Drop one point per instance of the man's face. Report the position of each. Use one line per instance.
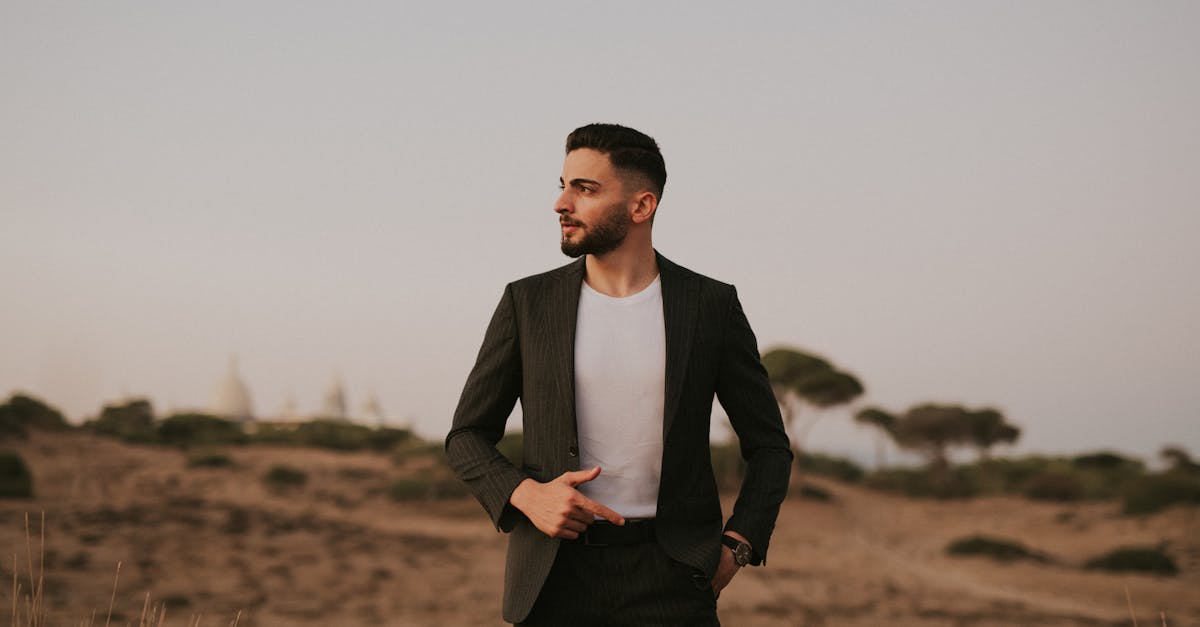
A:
(593, 208)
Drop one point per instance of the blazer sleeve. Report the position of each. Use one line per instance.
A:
(745, 392)
(487, 400)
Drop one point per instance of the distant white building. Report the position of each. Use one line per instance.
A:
(335, 401)
(231, 398)
(371, 412)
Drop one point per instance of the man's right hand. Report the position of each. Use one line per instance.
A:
(557, 508)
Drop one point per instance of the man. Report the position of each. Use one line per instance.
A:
(614, 513)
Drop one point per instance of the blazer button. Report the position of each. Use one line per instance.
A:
(573, 451)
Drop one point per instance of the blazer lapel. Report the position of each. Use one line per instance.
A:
(563, 300)
(681, 294)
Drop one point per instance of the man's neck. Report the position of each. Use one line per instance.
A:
(622, 272)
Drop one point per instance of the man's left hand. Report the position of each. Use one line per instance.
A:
(727, 568)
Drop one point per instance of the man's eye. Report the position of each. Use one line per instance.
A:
(561, 186)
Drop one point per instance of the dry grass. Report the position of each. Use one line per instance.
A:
(340, 550)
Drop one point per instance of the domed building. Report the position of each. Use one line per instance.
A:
(231, 398)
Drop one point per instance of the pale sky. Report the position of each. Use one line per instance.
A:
(987, 203)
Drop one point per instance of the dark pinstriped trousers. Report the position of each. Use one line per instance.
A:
(635, 585)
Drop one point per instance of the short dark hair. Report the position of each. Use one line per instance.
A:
(630, 151)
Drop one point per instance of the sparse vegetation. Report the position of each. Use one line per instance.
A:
(830, 466)
(512, 446)
(1140, 559)
(996, 548)
(187, 430)
(953, 483)
(1054, 486)
(428, 486)
(1153, 493)
(132, 422)
(814, 493)
(727, 464)
(283, 476)
(15, 479)
(22, 412)
(208, 458)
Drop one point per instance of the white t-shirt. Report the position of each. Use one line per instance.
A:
(620, 381)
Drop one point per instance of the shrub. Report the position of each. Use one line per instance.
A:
(15, 479)
(1106, 461)
(333, 434)
(1134, 559)
(282, 476)
(22, 412)
(427, 487)
(923, 482)
(1054, 486)
(1153, 493)
(209, 459)
(727, 464)
(385, 439)
(830, 466)
(1006, 475)
(995, 548)
(131, 422)
(338, 435)
(200, 430)
(512, 446)
(415, 448)
(814, 493)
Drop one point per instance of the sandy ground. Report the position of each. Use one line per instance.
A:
(209, 543)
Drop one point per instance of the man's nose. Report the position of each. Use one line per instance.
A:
(563, 204)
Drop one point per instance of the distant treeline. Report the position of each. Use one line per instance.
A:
(1095, 476)
(135, 422)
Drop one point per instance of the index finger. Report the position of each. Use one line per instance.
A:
(600, 510)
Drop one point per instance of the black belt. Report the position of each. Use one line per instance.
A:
(604, 533)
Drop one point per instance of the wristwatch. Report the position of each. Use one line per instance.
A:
(741, 550)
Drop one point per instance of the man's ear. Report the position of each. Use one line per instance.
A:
(644, 205)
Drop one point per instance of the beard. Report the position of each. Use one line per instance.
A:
(605, 235)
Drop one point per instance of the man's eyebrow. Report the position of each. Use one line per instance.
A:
(580, 182)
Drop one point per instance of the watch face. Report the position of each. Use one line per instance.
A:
(741, 554)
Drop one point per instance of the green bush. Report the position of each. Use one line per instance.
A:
(512, 446)
(337, 435)
(427, 487)
(417, 448)
(1153, 493)
(1055, 486)
(1007, 475)
(728, 465)
(22, 412)
(15, 479)
(384, 439)
(830, 466)
(333, 434)
(282, 476)
(954, 483)
(131, 422)
(1107, 461)
(995, 548)
(814, 493)
(200, 430)
(209, 459)
(1138, 559)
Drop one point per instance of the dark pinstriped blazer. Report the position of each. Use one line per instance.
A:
(528, 353)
